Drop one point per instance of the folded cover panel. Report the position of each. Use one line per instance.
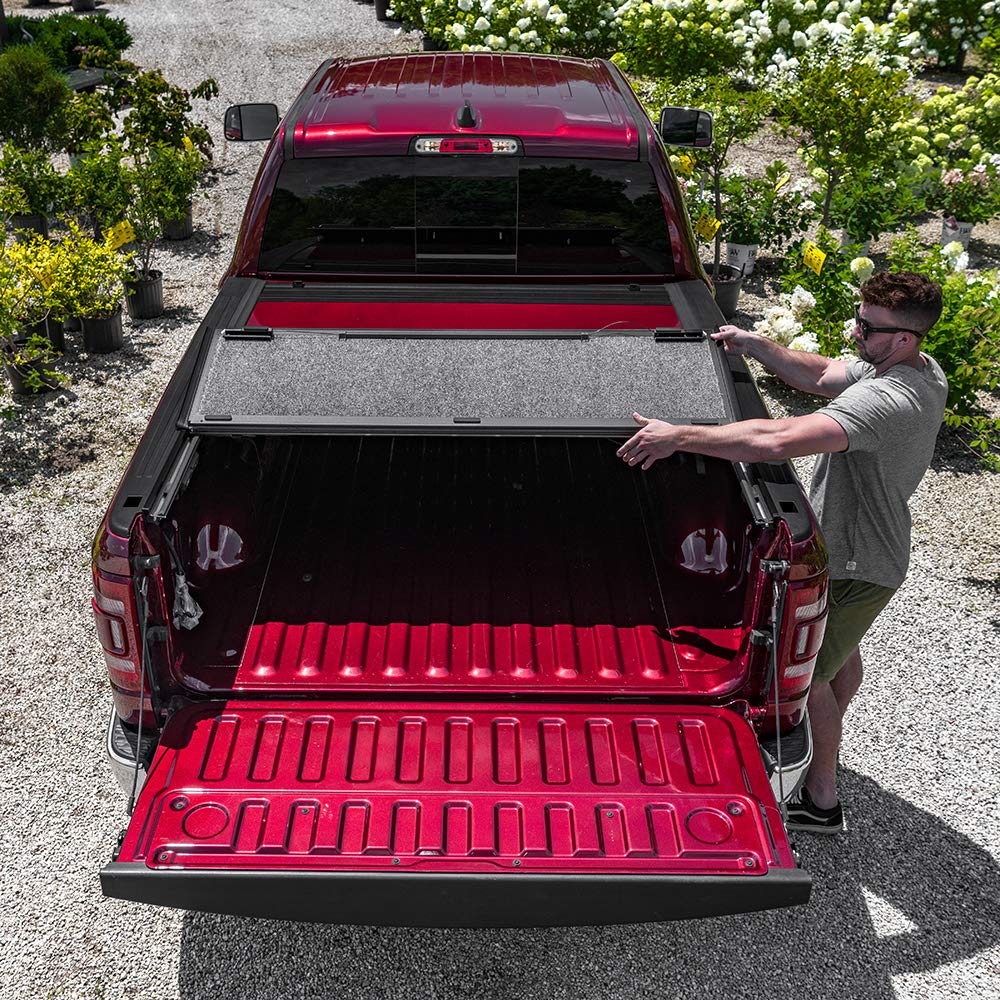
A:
(318, 378)
(474, 787)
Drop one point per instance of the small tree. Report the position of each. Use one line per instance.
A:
(737, 114)
(83, 120)
(31, 92)
(842, 103)
(98, 184)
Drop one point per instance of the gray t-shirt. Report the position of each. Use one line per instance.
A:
(860, 495)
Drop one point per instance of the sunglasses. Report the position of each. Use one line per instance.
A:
(867, 329)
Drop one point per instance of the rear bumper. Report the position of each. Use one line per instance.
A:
(406, 899)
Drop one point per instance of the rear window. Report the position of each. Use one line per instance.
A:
(466, 215)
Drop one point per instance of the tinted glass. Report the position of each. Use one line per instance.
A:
(466, 214)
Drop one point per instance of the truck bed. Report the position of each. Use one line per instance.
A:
(443, 563)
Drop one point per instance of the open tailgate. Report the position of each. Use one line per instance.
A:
(457, 814)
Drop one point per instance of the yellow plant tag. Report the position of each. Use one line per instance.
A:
(707, 226)
(187, 144)
(119, 234)
(782, 181)
(44, 275)
(813, 257)
(685, 165)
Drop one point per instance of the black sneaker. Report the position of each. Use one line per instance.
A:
(805, 815)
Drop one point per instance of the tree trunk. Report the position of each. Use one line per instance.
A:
(717, 190)
(831, 183)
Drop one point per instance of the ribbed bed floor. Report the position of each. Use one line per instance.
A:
(528, 563)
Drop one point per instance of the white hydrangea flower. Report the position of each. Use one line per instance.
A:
(458, 30)
(805, 342)
(465, 4)
(801, 301)
(961, 262)
(862, 268)
(482, 24)
(953, 250)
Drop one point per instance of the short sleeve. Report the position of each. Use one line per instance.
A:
(867, 412)
(857, 370)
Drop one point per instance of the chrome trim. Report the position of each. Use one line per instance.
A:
(794, 773)
(122, 767)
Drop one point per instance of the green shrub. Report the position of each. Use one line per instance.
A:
(98, 184)
(868, 203)
(943, 30)
(31, 92)
(69, 40)
(28, 176)
(83, 120)
(965, 341)
(834, 290)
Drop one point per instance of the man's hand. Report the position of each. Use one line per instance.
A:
(735, 340)
(657, 439)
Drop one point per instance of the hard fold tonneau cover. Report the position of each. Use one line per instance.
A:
(474, 372)
(350, 381)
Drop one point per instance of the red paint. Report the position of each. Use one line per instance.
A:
(462, 787)
(459, 316)
(490, 659)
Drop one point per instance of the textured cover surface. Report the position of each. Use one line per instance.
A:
(319, 374)
(458, 787)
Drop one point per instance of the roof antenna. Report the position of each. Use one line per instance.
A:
(466, 116)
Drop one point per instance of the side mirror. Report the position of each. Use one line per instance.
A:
(251, 122)
(686, 127)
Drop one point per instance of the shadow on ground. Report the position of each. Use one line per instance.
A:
(900, 893)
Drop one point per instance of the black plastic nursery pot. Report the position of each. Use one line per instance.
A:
(727, 288)
(32, 224)
(179, 229)
(84, 4)
(18, 374)
(103, 334)
(52, 331)
(144, 296)
(381, 10)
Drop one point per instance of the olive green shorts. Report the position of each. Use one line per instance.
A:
(852, 607)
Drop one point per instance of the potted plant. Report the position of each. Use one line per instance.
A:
(867, 204)
(966, 197)
(27, 176)
(172, 176)
(159, 111)
(737, 114)
(93, 276)
(84, 122)
(27, 357)
(98, 185)
(767, 211)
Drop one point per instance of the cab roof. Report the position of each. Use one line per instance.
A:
(557, 106)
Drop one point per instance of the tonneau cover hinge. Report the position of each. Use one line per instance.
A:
(248, 333)
(665, 333)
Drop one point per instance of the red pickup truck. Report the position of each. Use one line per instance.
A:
(393, 635)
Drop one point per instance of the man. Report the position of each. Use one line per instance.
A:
(873, 444)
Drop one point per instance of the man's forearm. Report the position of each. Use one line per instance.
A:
(742, 441)
(800, 369)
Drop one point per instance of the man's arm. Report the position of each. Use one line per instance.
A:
(800, 369)
(742, 441)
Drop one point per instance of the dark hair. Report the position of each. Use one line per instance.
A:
(913, 295)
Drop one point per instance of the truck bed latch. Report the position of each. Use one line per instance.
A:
(249, 333)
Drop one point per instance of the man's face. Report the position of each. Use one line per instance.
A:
(877, 333)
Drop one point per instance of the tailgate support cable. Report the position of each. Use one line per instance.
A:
(777, 569)
(142, 608)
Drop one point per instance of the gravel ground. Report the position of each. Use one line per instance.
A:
(905, 904)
